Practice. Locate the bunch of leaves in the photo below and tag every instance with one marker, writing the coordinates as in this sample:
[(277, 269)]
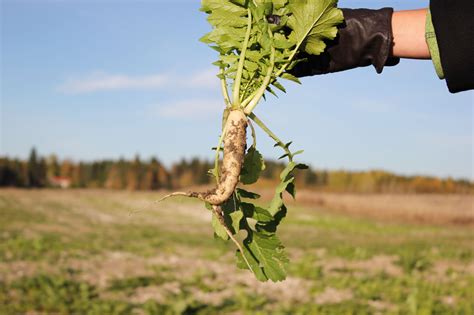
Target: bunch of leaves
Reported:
[(259, 42), (262, 252)]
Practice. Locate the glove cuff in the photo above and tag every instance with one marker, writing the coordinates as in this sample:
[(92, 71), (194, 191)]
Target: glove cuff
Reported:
[(370, 36)]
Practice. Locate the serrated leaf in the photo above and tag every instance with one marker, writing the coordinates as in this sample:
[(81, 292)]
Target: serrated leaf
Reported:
[(253, 167), (277, 200), (286, 177), (266, 256), (313, 21)]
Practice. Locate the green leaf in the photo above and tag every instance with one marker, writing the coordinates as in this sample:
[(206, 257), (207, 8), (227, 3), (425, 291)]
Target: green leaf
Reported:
[(282, 42), (218, 228), (269, 89), (290, 77), (236, 216), (287, 178), (279, 86), (232, 216), (270, 227), (277, 4), (313, 21), (259, 214), (266, 256), (242, 193), (253, 166), (231, 6), (262, 215)]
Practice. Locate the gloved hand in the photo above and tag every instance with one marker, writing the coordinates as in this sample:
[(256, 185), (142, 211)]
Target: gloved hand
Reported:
[(365, 38)]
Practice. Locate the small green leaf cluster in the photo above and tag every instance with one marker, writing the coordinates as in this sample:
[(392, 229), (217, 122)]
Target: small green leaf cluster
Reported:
[(259, 41)]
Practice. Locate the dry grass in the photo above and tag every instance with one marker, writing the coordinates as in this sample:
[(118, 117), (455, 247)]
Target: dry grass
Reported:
[(422, 208)]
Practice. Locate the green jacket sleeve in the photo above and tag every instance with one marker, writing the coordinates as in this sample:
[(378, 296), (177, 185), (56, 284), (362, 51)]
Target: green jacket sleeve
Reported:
[(453, 23), (433, 46)]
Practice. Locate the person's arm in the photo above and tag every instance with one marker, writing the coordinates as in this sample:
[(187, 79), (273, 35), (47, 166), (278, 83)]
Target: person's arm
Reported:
[(365, 38), (408, 29), (371, 37), (381, 37)]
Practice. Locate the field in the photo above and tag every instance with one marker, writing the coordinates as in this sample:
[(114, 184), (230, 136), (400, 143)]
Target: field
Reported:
[(116, 252)]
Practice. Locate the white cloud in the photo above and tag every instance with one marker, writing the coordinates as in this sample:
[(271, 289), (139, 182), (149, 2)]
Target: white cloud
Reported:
[(206, 78), (191, 108), (100, 81)]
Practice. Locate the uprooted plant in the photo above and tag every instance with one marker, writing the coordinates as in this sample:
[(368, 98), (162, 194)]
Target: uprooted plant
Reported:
[(258, 42)]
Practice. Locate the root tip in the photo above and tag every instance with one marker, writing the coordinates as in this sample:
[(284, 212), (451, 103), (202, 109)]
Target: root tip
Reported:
[(175, 194)]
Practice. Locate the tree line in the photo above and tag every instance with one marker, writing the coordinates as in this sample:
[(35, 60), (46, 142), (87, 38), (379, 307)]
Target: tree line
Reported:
[(138, 174)]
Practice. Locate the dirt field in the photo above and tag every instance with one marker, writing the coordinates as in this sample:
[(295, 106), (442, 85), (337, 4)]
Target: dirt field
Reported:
[(415, 208), (107, 252)]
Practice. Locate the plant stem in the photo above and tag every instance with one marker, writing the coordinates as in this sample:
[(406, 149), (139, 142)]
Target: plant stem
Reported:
[(240, 68), (255, 99), (254, 135), (225, 93), (272, 135)]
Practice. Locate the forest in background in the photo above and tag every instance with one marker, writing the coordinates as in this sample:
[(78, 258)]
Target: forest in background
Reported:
[(138, 174)]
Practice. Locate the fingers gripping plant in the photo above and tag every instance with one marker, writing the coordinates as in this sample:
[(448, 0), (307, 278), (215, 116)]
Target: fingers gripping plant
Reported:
[(258, 42)]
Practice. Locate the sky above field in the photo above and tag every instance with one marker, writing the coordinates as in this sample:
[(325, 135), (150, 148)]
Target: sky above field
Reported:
[(107, 79)]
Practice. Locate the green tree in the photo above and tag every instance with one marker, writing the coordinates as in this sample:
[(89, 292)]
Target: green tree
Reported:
[(33, 170)]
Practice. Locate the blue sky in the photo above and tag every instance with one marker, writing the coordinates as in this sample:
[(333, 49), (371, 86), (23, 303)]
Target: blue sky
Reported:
[(104, 79)]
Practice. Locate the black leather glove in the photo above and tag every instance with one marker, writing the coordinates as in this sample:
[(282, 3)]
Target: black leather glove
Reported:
[(365, 38)]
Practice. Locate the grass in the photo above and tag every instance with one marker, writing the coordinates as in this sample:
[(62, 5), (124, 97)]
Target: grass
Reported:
[(90, 252)]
